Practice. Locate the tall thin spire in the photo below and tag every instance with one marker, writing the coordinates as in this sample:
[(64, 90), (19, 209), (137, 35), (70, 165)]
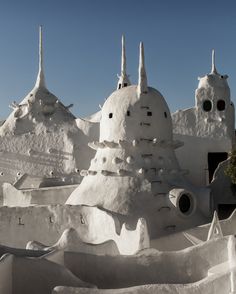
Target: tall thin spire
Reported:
[(142, 78), (123, 57), (40, 82), (213, 67), (123, 78)]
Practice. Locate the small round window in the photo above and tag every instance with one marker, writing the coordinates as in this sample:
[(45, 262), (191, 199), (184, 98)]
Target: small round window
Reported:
[(185, 204), (207, 105), (221, 105)]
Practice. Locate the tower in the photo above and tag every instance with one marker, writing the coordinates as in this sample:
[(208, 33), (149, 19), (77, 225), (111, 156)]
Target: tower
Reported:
[(135, 172), (214, 109)]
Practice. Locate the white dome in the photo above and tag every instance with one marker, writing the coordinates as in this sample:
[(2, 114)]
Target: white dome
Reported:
[(128, 116)]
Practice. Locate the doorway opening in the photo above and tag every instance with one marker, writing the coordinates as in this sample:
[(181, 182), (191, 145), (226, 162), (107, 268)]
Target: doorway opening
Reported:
[(214, 158)]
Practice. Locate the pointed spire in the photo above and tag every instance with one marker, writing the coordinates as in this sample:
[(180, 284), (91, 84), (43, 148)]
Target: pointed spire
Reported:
[(40, 82), (123, 78), (213, 67), (123, 57), (142, 78), (215, 228)]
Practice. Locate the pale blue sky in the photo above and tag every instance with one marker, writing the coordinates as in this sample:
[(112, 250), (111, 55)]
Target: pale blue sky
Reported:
[(82, 47)]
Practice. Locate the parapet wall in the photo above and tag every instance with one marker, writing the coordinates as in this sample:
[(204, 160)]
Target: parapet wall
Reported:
[(40, 196)]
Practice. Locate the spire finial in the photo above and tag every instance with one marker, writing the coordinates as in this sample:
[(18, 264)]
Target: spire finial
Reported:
[(142, 79), (40, 82), (213, 67), (215, 230), (123, 78), (123, 57)]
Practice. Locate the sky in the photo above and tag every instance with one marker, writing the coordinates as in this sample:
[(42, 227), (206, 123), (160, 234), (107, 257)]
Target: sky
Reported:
[(82, 47)]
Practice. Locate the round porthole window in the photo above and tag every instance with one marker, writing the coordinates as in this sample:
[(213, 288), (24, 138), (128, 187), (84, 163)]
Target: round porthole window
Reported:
[(221, 105), (185, 204), (207, 105)]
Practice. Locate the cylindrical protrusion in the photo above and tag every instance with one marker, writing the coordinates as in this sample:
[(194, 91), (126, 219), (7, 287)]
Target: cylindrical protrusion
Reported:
[(183, 200)]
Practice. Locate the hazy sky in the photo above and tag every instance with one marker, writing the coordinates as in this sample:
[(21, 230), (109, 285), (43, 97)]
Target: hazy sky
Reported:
[(82, 47)]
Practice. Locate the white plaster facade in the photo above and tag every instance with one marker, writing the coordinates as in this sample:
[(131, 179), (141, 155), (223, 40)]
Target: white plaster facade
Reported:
[(41, 137), (134, 186), (135, 172)]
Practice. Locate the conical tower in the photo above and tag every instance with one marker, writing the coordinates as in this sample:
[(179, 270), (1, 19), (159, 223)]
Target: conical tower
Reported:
[(38, 133)]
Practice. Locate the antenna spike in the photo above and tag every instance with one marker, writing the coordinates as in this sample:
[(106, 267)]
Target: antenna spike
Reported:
[(123, 78), (40, 82), (123, 57), (142, 79)]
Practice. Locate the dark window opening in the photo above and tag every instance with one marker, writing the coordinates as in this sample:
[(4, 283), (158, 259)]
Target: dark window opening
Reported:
[(146, 155), (146, 140), (165, 114), (207, 105), (222, 77), (221, 105), (125, 84), (225, 210), (145, 124), (149, 113), (110, 115), (214, 158), (184, 203), (119, 86), (128, 113)]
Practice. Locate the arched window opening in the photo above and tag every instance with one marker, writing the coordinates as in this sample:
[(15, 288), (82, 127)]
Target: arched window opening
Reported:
[(185, 204)]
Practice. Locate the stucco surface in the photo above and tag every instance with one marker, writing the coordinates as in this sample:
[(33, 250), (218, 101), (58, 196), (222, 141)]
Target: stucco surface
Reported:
[(135, 170)]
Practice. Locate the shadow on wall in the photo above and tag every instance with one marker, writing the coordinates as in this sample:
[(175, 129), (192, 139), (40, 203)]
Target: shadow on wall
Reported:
[(27, 275), (149, 266)]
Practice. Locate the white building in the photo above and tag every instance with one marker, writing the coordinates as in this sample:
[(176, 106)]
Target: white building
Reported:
[(134, 172), (43, 139), (207, 129)]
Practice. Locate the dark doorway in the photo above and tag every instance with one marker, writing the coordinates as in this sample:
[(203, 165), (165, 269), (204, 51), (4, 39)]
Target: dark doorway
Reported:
[(225, 210), (214, 158)]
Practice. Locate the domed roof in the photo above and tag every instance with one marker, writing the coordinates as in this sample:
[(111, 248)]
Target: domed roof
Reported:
[(126, 114), (132, 110)]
